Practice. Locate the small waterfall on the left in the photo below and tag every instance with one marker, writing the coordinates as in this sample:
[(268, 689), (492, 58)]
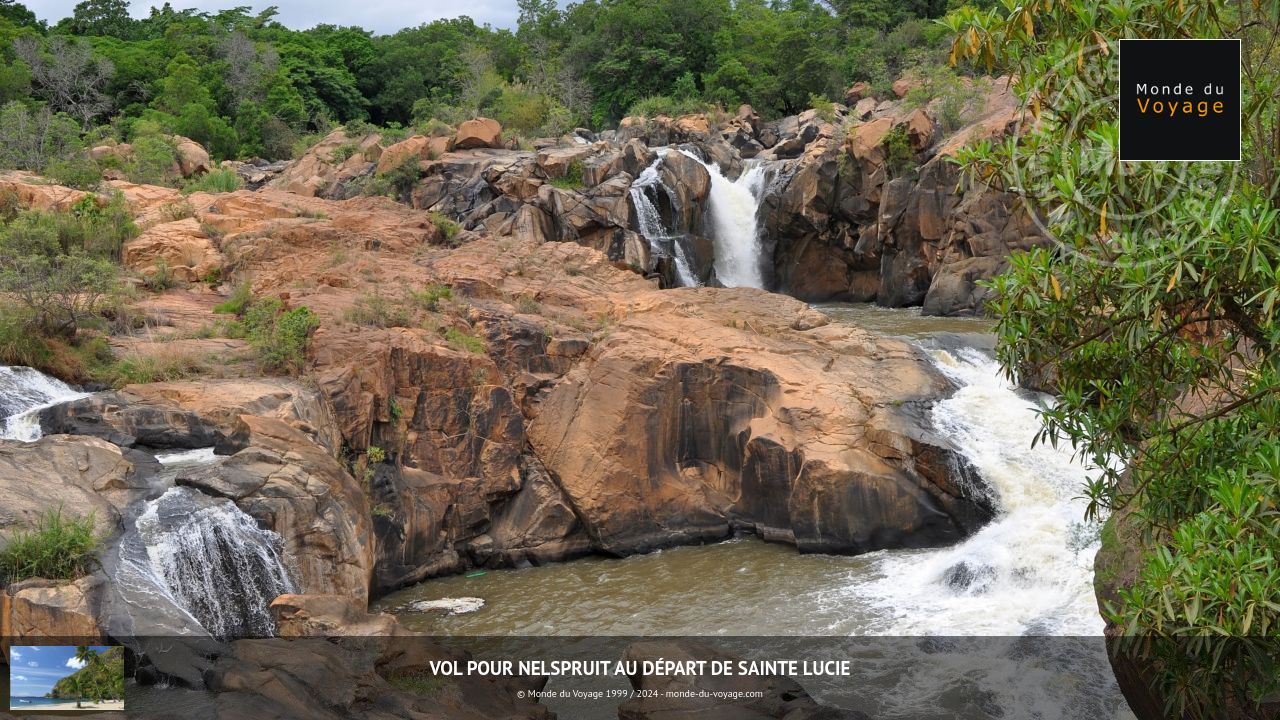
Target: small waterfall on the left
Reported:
[(662, 242), (215, 562), (24, 392)]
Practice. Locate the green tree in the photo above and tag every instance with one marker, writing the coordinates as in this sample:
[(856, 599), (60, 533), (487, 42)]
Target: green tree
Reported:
[(1154, 315), (101, 17)]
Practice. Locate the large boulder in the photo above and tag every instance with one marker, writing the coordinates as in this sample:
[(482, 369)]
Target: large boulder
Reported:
[(418, 147), (478, 132), (39, 609), (182, 247), (706, 410), (79, 476), (955, 289), (190, 157)]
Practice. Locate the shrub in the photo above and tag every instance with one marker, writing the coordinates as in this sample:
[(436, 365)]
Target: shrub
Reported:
[(57, 288), (824, 107), (238, 303), (32, 139), (76, 170), (572, 178), (214, 181), (447, 227), (343, 152), (162, 367), (899, 157), (377, 310), (57, 547), (177, 210), (430, 296), (656, 105), (161, 278), (376, 454), (463, 342), (153, 159), (279, 338), (400, 179)]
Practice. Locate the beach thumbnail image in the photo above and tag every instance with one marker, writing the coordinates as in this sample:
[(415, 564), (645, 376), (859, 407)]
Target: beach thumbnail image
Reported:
[(66, 678)]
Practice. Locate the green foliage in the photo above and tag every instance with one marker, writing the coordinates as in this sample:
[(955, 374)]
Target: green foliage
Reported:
[(400, 180), (572, 178), (1156, 315), (55, 547), (240, 300), (430, 296), (161, 278), (101, 678), (75, 171), (150, 368), (57, 267), (419, 683), (214, 181), (376, 454), (899, 157), (464, 342), (825, 108), (33, 139), (956, 97), (655, 105), (447, 227), (278, 337), (373, 309)]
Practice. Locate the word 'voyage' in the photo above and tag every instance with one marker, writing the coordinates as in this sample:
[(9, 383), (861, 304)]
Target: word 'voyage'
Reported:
[(659, 667), (1177, 100)]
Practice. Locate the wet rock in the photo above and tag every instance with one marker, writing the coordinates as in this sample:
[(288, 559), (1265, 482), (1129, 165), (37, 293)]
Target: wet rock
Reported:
[(955, 289)]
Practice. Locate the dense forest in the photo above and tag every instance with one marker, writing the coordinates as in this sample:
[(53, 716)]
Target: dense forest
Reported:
[(244, 85)]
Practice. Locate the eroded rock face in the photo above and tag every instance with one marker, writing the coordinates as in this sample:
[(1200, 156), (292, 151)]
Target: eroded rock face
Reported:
[(706, 410), (847, 225), (39, 609)]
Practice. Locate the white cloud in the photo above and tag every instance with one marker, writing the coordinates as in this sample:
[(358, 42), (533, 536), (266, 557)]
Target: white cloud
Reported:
[(75, 664), (13, 653), (19, 677), (32, 663)]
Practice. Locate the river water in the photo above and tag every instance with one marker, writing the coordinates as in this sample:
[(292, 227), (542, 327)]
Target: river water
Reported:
[(1024, 578)]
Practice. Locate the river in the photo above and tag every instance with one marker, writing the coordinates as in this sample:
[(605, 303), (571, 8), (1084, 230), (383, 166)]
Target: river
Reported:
[(1018, 593)]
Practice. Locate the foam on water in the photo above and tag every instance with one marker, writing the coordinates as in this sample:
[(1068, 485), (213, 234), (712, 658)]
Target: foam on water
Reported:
[(24, 392)]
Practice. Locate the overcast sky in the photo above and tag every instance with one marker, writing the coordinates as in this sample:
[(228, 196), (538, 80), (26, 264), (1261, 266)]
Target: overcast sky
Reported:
[(381, 16)]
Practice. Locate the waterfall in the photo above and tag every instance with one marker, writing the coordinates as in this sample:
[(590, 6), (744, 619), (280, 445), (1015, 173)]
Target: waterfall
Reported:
[(24, 392), (662, 242), (1030, 571), (216, 562), (736, 232)]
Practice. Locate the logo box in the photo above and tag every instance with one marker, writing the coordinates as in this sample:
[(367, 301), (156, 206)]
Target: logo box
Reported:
[(1179, 100)]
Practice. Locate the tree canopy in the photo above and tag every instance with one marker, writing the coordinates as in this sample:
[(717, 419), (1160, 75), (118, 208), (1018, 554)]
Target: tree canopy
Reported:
[(243, 84), (1154, 316)]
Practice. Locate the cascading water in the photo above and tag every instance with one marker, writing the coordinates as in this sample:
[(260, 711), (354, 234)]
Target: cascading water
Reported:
[(24, 392), (215, 561), (1030, 571), (735, 226), (662, 242)]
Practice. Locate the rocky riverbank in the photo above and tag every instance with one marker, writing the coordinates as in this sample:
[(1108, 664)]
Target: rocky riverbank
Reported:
[(523, 390)]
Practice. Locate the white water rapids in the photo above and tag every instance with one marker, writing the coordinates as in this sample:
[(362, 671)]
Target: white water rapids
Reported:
[(24, 392), (1030, 571), (732, 206), (663, 242)]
